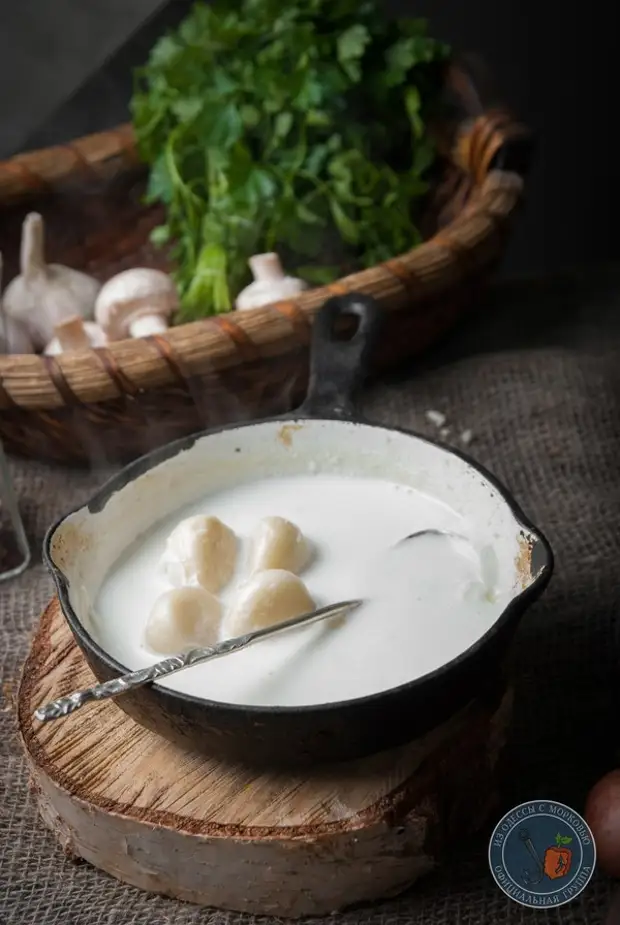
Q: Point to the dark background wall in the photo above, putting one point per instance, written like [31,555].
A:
[553,62]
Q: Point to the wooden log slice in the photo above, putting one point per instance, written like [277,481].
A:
[282,844]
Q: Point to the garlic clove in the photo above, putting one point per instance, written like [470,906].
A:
[75,334]
[266,599]
[136,303]
[270,283]
[200,551]
[182,619]
[278,544]
[45,294]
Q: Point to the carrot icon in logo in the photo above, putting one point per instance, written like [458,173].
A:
[558,857]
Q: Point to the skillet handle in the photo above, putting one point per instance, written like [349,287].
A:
[338,366]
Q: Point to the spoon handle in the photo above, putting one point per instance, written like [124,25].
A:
[57,709]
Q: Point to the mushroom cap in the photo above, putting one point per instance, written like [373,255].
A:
[133,294]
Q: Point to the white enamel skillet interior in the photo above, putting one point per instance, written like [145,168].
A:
[325,436]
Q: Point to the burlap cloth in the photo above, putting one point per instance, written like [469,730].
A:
[536,379]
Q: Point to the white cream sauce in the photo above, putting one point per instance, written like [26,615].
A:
[428,600]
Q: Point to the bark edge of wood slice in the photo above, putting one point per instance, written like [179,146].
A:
[282,843]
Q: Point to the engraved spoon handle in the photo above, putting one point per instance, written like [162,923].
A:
[57,709]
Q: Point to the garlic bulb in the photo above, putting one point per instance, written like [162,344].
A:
[270,283]
[46,294]
[14,337]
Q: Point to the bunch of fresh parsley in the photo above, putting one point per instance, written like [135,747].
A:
[294,126]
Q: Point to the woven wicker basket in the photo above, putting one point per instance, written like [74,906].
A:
[113,404]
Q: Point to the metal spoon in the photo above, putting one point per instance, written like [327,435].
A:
[128,682]
[134,679]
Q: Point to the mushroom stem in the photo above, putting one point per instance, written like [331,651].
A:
[266,268]
[71,334]
[32,252]
[146,325]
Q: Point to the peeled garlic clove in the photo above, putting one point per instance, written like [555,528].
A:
[44,294]
[200,551]
[271,284]
[266,599]
[182,619]
[278,544]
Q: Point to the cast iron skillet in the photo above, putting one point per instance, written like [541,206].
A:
[286,736]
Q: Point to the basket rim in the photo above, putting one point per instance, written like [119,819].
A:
[214,344]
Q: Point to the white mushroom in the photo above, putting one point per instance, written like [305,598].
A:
[270,283]
[136,303]
[75,334]
[14,337]
[266,599]
[200,551]
[182,619]
[278,544]
[45,294]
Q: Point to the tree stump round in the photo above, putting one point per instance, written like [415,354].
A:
[280,843]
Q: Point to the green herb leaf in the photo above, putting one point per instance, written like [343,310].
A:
[160,235]
[221,127]
[305,215]
[160,186]
[187,108]
[250,116]
[208,285]
[284,123]
[164,52]
[351,46]
[346,226]
[259,186]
